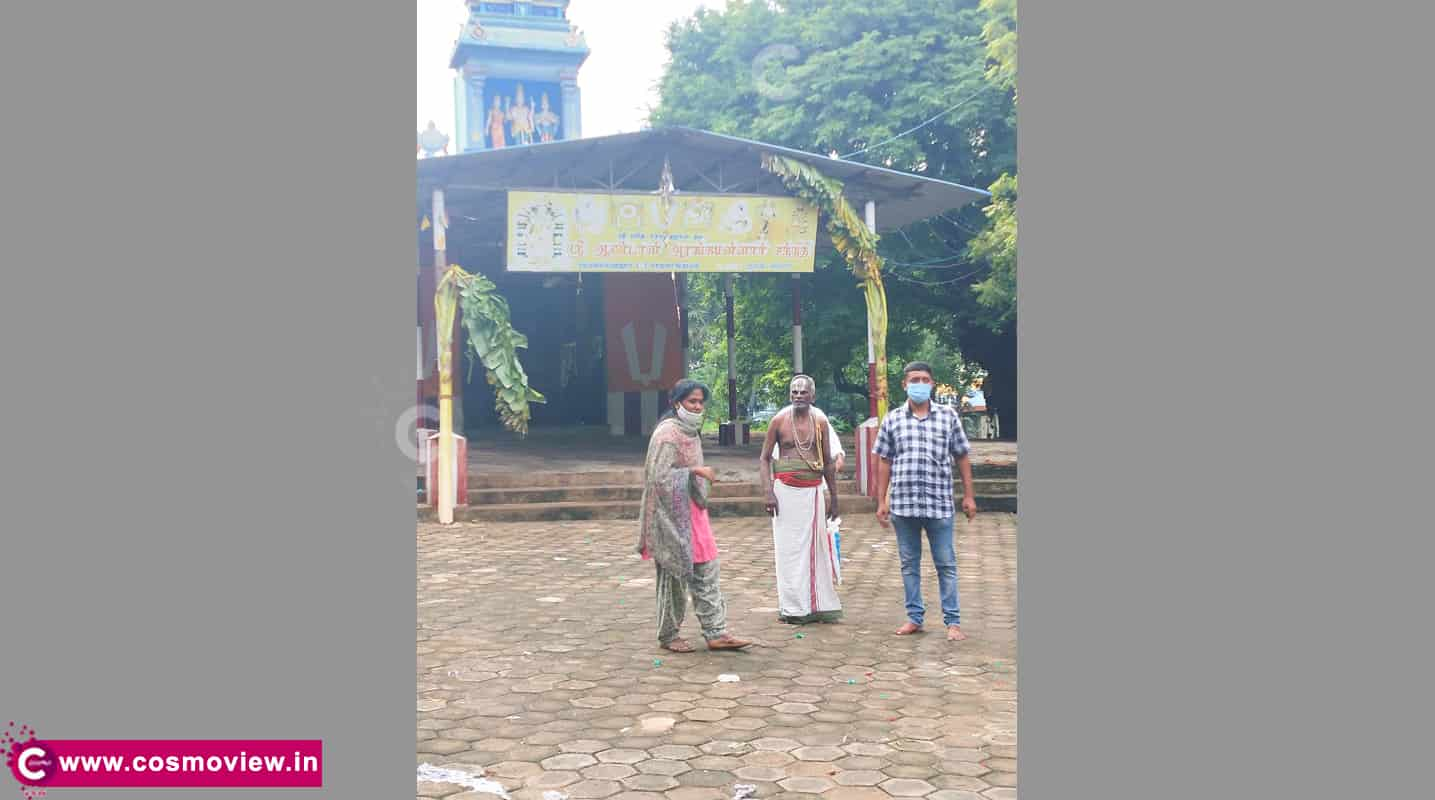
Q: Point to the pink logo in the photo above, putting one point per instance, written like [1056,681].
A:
[31,761]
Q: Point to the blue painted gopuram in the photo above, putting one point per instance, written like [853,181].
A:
[517,81]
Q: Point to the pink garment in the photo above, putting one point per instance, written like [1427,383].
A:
[704,546]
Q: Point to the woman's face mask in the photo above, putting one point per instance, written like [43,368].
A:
[689,417]
[690,408]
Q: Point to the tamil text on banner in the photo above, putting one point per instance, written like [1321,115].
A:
[645,345]
[594,232]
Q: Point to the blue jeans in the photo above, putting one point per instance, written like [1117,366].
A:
[944,558]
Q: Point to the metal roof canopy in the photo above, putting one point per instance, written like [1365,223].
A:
[475,184]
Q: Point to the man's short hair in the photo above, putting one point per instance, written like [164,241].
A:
[917,366]
[802,377]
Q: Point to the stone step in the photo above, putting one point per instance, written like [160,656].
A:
[634,493]
[484,479]
[562,494]
[742,506]
[543,480]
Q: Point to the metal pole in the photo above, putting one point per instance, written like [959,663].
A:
[445,390]
[731,353]
[682,292]
[871,350]
[796,323]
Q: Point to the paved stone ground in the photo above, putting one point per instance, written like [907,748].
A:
[538,663]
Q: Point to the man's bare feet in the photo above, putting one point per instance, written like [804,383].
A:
[908,629]
[954,634]
[727,642]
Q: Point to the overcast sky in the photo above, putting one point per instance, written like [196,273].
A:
[617,80]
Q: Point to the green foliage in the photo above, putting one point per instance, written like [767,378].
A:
[864,71]
[996,245]
[1000,35]
[853,241]
[495,344]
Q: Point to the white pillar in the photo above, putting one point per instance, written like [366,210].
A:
[446,482]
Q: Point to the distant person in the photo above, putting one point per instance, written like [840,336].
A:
[975,399]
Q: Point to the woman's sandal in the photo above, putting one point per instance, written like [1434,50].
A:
[678,646]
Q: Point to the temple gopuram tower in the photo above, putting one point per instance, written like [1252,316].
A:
[517,82]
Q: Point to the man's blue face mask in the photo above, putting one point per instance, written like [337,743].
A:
[919,392]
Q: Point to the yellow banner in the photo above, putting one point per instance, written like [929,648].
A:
[592,232]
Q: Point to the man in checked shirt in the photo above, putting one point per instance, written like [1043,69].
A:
[915,447]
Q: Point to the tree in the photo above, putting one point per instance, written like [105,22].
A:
[851,76]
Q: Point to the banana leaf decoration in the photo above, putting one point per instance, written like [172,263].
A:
[492,341]
[853,240]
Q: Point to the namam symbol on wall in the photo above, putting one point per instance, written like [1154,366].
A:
[630,349]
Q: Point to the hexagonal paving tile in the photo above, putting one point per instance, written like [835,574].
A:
[725,748]
[776,744]
[794,708]
[569,761]
[819,753]
[716,702]
[609,772]
[593,702]
[743,724]
[1000,794]
[960,783]
[593,789]
[909,759]
[620,755]
[696,793]
[515,769]
[907,787]
[966,768]
[428,789]
[920,772]
[675,752]
[856,793]
[589,746]
[807,785]
[706,777]
[531,753]
[811,769]
[553,780]
[671,706]
[662,766]
[728,763]
[768,758]
[762,774]
[859,777]
[1001,779]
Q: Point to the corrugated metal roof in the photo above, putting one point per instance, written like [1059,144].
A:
[702,163]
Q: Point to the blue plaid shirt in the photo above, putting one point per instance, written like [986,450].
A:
[921,453]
